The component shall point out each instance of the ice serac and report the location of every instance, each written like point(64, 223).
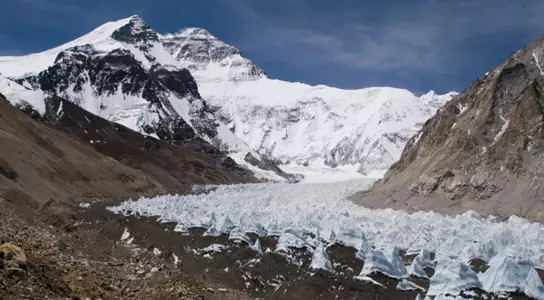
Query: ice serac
point(452, 277)
point(320, 259)
point(387, 262)
point(121, 71)
point(482, 151)
point(421, 262)
point(299, 124)
point(511, 275)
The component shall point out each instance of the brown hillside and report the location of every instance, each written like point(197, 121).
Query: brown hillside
point(482, 151)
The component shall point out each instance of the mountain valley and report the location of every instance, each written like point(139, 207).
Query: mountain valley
point(145, 165)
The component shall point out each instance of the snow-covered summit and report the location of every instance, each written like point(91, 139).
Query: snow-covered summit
point(121, 71)
point(130, 74)
point(296, 123)
point(199, 33)
point(201, 52)
point(436, 100)
point(17, 66)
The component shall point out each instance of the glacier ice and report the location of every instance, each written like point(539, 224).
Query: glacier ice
point(452, 277)
point(387, 262)
point(320, 259)
point(295, 212)
point(507, 274)
point(364, 248)
point(239, 236)
point(257, 246)
point(420, 263)
point(292, 238)
point(20, 96)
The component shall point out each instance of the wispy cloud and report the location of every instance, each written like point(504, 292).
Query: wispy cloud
point(419, 44)
point(422, 36)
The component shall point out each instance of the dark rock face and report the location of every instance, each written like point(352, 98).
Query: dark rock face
point(484, 150)
point(118, 72)
point(267, 164)
point(136, 31)
point(7, 171)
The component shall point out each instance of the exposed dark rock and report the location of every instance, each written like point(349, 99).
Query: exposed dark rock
point(7, 171)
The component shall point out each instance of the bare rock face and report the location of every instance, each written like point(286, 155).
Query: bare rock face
point(483, 150)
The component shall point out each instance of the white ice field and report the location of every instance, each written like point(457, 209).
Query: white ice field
point(514, 248)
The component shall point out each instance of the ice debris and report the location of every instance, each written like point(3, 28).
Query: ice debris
point(369, 280)
point(126, 238)
point(407, 285)
point(176, 259)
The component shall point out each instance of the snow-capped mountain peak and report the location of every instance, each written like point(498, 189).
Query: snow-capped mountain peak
point(300, 124)
point(135, 31)
point(132, 33)
point(191, 84)
point(436, 100)
point(206, 56)
point(121, 71)
point(197, 33)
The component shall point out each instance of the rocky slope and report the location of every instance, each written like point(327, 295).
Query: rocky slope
point(51, 160)
point(295, 123)
point(122, 72)
point(483, 150)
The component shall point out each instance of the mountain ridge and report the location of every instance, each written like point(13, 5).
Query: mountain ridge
point(271, 110)
point(124, 65)
point(125, 75)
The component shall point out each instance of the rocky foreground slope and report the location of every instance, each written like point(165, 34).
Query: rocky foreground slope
point(50, 163)
point(70, 154)
point(483, 150)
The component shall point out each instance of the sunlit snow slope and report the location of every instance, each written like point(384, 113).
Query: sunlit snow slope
point(513, 247)
point(295, 123)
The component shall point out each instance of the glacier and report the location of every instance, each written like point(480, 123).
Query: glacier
point(305, 216)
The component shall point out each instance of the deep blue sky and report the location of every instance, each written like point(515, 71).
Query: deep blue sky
point(418, 44)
